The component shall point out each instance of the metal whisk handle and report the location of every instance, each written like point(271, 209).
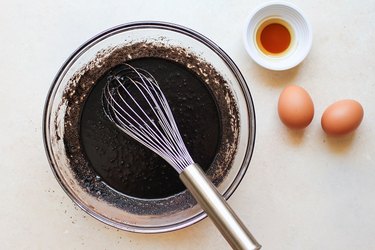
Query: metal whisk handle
point(206, 194)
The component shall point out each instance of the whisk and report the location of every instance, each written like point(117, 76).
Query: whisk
point(133, 101)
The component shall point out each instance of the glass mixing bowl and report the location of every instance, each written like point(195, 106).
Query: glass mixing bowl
point(157, 215)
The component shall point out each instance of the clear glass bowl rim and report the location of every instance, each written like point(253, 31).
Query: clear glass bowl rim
point(171, 27)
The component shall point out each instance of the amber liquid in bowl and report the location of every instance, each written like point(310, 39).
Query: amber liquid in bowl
point(274, 37)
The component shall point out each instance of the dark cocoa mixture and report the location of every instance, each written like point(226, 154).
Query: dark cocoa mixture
point(82, 84)
point(131, 168)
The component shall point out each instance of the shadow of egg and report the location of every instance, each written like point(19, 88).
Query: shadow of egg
point(296, 137)
point(341, 144)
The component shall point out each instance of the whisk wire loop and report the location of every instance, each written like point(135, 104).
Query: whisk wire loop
point(149, 121)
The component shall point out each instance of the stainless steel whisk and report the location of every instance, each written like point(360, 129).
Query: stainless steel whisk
point(134, 102)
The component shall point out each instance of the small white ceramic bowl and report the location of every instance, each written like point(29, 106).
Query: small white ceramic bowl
point(298, 26)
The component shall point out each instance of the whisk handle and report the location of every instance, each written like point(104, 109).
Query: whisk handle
point(216, 207)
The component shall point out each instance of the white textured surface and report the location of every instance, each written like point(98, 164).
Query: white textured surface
point(303, 190)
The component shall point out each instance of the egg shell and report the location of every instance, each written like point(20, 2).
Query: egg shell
point(342, 117)
point(295, 107)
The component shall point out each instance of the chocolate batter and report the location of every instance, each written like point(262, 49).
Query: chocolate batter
point(210, 131)
point(131, 168)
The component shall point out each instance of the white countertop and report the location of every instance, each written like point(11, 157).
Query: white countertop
point(303, 190)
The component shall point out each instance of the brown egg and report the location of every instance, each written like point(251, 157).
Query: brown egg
point(342, 117)
point(295, 107)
